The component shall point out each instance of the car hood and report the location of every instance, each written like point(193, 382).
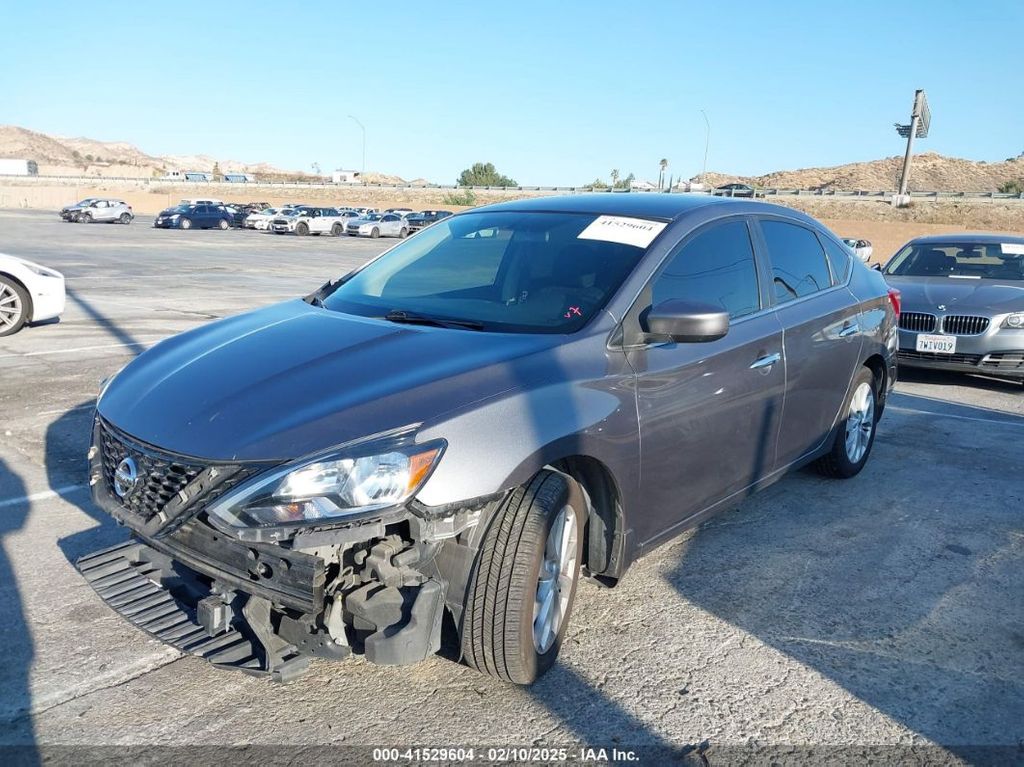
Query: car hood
point(926, 294)
point(292, 379)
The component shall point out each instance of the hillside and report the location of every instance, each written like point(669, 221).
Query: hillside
point(929, 171)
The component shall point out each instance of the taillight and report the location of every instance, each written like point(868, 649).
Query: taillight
point(896, 301)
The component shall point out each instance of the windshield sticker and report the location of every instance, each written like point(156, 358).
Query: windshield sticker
point(637, 232)
point(1012, 248)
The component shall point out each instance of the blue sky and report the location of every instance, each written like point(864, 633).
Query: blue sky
point(550, 92)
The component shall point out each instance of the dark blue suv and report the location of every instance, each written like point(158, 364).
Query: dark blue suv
point(197, 216)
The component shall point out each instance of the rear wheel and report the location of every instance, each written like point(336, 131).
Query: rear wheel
point(522, 591)
point(336, 230)
point(301, 229)
point(222, 224)
point(855, 435)
point(185, 223)
point(125, 218)
point(15, 305)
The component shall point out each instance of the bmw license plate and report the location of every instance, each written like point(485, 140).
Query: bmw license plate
point(936, 344)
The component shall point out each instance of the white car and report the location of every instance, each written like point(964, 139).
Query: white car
point(262, 219)
point(378, 225)
point(861, 248)
point(28, 293)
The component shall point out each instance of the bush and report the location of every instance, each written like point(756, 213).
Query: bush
point(1012, 187)
point(484, 174)
point(463, 197)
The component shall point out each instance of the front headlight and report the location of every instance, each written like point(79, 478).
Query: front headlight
point(1014, 321)
point(325, 489)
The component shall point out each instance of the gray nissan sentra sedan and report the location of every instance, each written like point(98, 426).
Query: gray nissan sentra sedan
point(449, 437)
point(963, 303)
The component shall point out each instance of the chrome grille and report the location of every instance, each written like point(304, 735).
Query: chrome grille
point(964, 325)
point(917, 322)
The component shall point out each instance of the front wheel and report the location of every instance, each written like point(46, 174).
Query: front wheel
point(14, 306)
point(302, 230)
point(185, 223)
point(522, 591)
point(855, 435)
point(403, 233)
point(85, 218)
point(375, 233)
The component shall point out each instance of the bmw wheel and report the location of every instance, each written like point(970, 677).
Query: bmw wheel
point(855, 434)
point(15, 305)
point(522, 590)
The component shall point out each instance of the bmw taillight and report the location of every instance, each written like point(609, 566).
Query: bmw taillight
point(896, 301)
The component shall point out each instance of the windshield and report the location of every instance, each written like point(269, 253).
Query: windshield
point(978, 261)
point(182, 208)
point(372, 216)
point(506, 271)
point(85, 203)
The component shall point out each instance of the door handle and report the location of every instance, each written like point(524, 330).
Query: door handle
point(766, 361)
point(849, 329)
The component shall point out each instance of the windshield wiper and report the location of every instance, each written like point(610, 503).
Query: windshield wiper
point(410, 318)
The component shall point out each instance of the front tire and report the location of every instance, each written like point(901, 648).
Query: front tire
point(855, 434)
point(522, 591)
point(85, 218)
point(302, 230)
point(15, 307)
point(185, 223)
point(375, 233)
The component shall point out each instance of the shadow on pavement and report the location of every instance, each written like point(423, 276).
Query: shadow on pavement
point(906, 592)
point(15, 636)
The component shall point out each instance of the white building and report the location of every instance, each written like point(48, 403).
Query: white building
point(346, 177)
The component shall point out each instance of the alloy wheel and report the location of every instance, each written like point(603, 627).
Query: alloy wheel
point(10, 307)
point(860, 424)
point(555, 580)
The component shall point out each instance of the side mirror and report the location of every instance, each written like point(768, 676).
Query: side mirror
point(877, 267)
point(687, 321)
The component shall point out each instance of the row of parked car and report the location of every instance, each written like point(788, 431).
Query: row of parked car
point(285, 219)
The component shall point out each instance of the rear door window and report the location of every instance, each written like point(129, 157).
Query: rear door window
point(799, 267)
point(838, 259)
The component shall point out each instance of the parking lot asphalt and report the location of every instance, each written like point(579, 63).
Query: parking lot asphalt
point(886, 609)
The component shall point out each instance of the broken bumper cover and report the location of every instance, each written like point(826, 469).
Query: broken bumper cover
point(166, 600)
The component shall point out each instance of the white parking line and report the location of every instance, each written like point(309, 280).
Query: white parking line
point(902, 409)
point(76, 350)
point(60, 491)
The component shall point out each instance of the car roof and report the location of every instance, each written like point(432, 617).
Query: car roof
point(666, 207)
point(967, 238)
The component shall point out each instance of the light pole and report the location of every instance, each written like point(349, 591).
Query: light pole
point(707, 143)
point(363, 128)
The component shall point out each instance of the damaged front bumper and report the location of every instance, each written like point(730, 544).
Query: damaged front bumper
point(377, 587)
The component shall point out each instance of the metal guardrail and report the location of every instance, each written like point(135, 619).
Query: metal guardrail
point(761, 192)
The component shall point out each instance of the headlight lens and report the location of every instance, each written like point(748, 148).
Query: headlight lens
point(1014, 320)
point(326, 488)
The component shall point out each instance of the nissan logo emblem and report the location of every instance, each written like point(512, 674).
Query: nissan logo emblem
point(125, 476)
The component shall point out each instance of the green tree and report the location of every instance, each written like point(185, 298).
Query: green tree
point(622, 183)
point(597, 184)
point(88, 158)
point(1012, 187)
point(484, 174)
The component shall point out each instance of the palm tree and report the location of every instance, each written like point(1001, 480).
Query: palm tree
point(661, 176)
